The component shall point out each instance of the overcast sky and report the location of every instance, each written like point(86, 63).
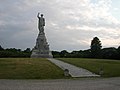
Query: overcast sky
point(70, 24)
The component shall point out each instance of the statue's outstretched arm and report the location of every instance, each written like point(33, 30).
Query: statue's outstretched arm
point(38, 15)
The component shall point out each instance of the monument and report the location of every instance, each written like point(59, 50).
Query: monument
point(41, 49)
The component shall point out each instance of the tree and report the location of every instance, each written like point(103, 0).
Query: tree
point(56, 54)
point(118, 50)
point(1, 48)
point(95, 47)
point(27, 50)
point(109, 53)
point(63, 53)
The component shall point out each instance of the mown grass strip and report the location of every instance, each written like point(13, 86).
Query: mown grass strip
point(111, 68)
point(29, 68)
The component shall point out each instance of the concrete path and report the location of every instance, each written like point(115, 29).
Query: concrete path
point(73, 70)
point(64, 84)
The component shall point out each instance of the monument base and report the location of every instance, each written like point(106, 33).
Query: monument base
point(41, 56)
point(36, 54)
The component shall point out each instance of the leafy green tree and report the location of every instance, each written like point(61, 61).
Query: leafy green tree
point(56, 54)
point(14, 53)
point(95, 47)
point(118, 50)
point(13, 50)
point(109, 53)
point(28, 50)
point(1, 48)
point(63, 53)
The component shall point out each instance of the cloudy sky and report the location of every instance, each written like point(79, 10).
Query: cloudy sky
point(70, 24)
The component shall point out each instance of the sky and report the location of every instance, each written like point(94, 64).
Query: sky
point(70, 24)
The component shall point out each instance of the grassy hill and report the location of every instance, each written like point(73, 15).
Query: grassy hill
point(28, 68)
point(32, 68)
point(111, 68)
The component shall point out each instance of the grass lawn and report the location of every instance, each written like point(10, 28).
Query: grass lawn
point(111, 68)
point(28, 68)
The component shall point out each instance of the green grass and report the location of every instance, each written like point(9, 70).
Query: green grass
point(111, 68)
point(28, 68)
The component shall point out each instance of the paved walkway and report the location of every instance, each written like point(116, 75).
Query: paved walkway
point(64, 84)
point(73, 70)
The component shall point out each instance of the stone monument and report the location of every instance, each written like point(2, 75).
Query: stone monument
point(41, 49)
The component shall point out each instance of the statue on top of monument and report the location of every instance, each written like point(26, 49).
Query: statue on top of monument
point(41, 23)
point(41, 49)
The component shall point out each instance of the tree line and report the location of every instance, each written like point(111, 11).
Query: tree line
point(14, 53)
point(95, 51)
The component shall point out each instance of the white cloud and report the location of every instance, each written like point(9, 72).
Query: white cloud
point(69, 24)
